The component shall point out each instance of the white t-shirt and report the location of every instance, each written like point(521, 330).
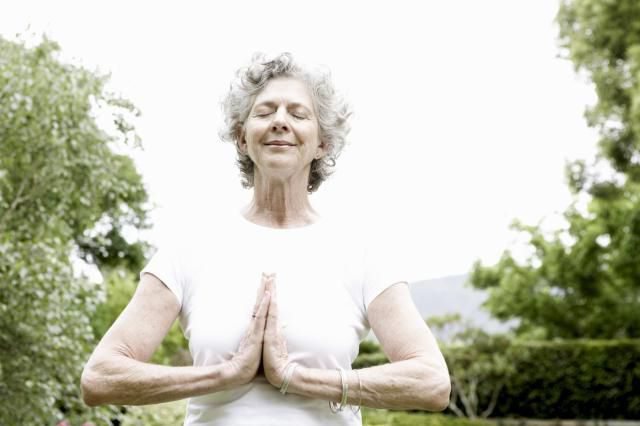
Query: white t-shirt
point(326, 278)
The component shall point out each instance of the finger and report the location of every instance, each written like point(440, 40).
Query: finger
point(257, 329)
point(260, 293)
point(272, 313)
point(271, 284)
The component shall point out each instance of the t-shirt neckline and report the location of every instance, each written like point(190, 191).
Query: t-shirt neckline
point(303, 228)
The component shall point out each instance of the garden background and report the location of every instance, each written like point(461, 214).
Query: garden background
point(76, 212)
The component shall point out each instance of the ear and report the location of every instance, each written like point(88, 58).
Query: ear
point(242, 142)
point(321, 150)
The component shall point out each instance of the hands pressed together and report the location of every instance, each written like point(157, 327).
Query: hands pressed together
point(263, 343)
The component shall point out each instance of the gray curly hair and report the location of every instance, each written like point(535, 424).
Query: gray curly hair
point(332, 111)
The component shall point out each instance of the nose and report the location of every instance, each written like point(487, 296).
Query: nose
point(279, 123)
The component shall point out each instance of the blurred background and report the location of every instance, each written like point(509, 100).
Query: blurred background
point(495, 142)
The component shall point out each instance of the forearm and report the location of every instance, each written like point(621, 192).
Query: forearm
point(408, 384)
point(122, 380)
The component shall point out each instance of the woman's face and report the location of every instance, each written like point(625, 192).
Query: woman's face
point(281, 134)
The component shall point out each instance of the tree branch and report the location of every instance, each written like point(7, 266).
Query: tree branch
point(473, 397)
point(463, 398)
point(452, 403)
point(494, 400)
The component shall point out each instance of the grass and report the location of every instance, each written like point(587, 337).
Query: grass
point(172, 414)
point(372, 417)
point(167, 414)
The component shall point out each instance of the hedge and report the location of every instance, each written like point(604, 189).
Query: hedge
point(372, 417)
point(571, 379)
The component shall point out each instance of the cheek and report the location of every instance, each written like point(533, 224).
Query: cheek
point(254, 129)
point(310, 134)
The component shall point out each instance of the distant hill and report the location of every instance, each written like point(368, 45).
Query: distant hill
point(450, 294)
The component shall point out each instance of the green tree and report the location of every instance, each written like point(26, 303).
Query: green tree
point(584, 280)
point(479, 364)
point(120, 285)
point(64, 190)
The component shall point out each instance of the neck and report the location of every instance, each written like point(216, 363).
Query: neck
point(280, 204)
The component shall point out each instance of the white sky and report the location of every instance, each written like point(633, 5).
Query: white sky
point(464, 115)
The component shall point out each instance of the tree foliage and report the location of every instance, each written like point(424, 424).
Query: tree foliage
point(120, 286)
point(584, 280)
point(63, 190)
point(602, 38)
point(478, 365)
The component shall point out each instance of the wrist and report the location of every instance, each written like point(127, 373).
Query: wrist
point(275, 375)
point(297, 380)
point(232, 375)
point(317, 383)
point(289, 371)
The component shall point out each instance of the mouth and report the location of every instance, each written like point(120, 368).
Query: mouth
point(279, 143)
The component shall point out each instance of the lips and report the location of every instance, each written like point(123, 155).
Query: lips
point(279, 143)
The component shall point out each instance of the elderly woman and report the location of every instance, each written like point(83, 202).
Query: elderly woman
point(283, 356)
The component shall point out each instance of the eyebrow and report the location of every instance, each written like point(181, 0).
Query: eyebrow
point(272, 104)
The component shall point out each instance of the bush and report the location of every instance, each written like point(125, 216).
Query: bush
point(573, 379)
point(120, 286)
point(369, 360)
point(369, 347)
point(570, 379)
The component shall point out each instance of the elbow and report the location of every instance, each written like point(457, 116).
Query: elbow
point(437, 392)
point(440, 394)
point(89, 385)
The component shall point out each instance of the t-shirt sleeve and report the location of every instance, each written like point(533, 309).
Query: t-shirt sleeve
point(382, 270)
point(167, 266)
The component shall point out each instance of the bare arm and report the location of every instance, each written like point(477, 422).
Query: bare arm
point(416, 378)
point(118, 373)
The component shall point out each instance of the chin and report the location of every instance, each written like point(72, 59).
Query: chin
point(281, 165)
